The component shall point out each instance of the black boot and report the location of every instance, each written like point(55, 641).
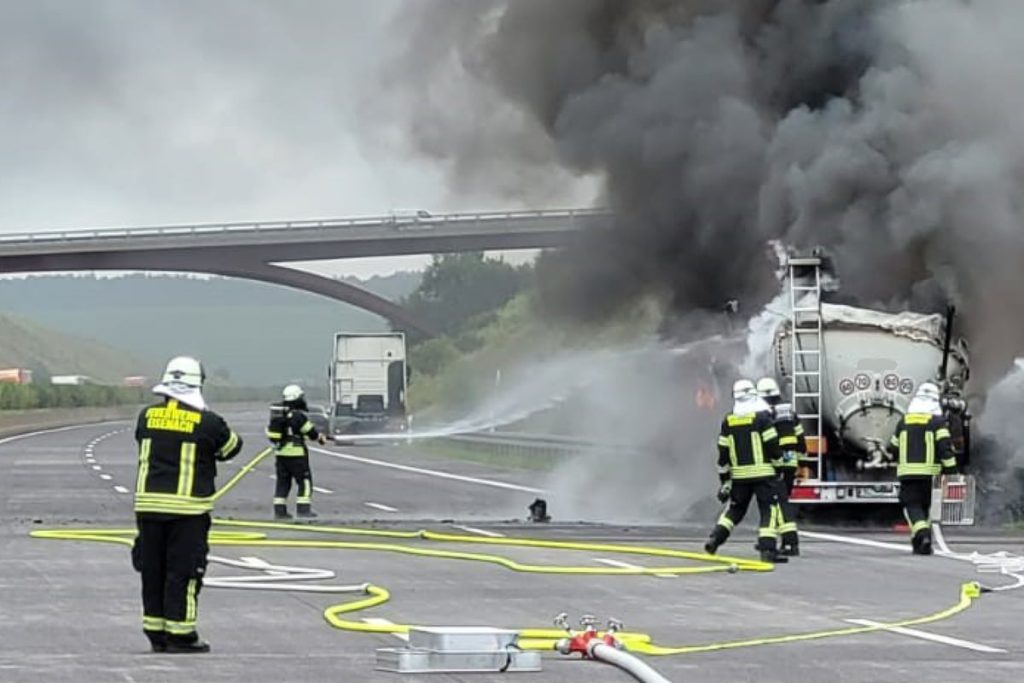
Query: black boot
point(157, 640)
point(922, 544)
point(790, 549)
point(186, 645)
point(281, 512)
point(772, 556)
point(718, 536)
point(304, 510)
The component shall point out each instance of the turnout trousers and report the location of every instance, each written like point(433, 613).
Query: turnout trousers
point(289, 468)
point(785, 513)
point(170, 553)
point(766, 492)
point(916, 499)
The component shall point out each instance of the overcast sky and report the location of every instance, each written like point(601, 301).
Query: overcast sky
point(141, 112)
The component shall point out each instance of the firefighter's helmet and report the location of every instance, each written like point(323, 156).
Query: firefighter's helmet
point(184, 370)
point(768, 388)
point(292, 392)
point(744, 389)
point(929, 391)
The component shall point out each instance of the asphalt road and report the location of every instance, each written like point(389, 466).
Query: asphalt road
point(69, 610)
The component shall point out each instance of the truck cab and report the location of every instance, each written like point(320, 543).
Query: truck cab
point(368, 384)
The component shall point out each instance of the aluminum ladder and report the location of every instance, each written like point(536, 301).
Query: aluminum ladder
point(806, 361)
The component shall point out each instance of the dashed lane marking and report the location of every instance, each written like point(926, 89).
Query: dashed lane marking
point(120, 489)
point(627, 565)
point(480, 532)
point(381, 506)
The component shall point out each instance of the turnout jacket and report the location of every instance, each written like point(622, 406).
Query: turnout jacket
point(288, 430)
point(924, 447)
point(748, 447)
point(178, 450)
point(791, 435)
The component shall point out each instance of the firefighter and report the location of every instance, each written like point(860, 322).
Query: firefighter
point(792, 444)
point(288, 430)
point(923, 445)
point(748, 452)
point(180, 441)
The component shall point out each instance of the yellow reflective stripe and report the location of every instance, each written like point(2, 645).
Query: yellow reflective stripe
point(306, 428)
point(788, 441)
point(274, 435)
point(766, 532)
point(229, 445)
point(949, 462)
point(917, 469)
point(191, 605)
point(918, 418)
point(787, 528)
point(769, 434)
point(723, 441)
point(144, 447)
point(307, 494)
point(739, 420)
point(919, 526)
point(942, 433)
point(186, 468)
point(153, 623)
point(755, 444)
point(726, 522)
point(903, 447)
point(171, 503)
point(724, 469)
point(732, 450)
point(929, 447)
point(180, 628)
point(799, 429)
point(753, 471)
point(894, 440)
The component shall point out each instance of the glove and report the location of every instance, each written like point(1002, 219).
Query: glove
point(321, 439)
point(724, 490)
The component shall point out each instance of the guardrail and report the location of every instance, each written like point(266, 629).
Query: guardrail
point(421, 220)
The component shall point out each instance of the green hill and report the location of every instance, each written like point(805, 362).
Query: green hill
point(25, 344)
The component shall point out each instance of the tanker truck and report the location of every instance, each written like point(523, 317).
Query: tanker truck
point(851, 373)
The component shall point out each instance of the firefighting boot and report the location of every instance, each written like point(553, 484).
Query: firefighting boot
point(922, 543)
point(157, 640)
point(718, 536)
point(790, 550)
point(304, 510)
point(186, 645)
point(281, 512)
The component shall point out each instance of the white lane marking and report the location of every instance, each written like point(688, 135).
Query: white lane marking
point(54, 430)
point(430, 473)
point(321, 489)
point(97, 468)
point(481, 532)
point(925, 635)
point(379, 506)
point(106, 477)
point(377, 621)
point(853, 540)
point(627, 565)
point(120, 489)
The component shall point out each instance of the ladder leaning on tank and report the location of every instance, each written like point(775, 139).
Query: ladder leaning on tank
point(807, 362)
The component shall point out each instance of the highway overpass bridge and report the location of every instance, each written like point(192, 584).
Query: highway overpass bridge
point(257, 251)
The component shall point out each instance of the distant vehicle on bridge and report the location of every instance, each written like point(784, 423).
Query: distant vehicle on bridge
point(411, 219)
point(15, 376)
point(134, 381)
point(368, 383)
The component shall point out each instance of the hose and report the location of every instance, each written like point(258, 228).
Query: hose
point(635, 667)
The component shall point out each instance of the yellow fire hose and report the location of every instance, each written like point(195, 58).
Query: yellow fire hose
point(253, 534)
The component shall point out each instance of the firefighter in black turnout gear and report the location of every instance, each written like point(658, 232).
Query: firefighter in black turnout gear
point(179, 441)
point(748, 452)
point(288, 430)
point(793, 444)
point(923, 445)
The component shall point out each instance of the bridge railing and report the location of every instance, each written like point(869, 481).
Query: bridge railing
point(418, 220)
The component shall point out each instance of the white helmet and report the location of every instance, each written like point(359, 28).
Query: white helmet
point(929, 391)
point(744, 388)
point(292, 392)
point(768, 388)
point(184, 370)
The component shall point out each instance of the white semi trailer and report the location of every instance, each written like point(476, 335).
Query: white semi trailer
point(851, 373)
point(368, 383)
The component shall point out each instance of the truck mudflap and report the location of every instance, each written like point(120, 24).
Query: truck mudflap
point(953, 500)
